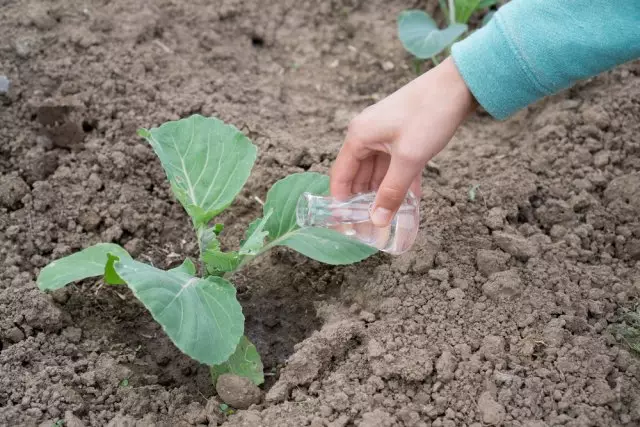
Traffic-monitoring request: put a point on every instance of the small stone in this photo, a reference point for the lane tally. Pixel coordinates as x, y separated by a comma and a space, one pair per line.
388, 66
237, 392
492, 412
5, 84
517, 246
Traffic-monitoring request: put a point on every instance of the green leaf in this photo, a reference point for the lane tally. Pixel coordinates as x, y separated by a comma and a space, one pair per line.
201, 316
110, 275
420, 35
207, 162
324, 245
283, 196
244, 362
215, 259
464, 10
255, 236
486, 3
187, 267
221, 262
86, 263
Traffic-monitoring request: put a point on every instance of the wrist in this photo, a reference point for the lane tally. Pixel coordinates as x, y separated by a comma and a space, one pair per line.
457, 87
445, 84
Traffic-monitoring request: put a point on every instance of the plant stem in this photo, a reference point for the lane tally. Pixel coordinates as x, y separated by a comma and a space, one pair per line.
452, 11
417, 66
434, 58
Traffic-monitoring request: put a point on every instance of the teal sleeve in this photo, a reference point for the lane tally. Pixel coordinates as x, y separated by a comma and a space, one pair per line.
534, 48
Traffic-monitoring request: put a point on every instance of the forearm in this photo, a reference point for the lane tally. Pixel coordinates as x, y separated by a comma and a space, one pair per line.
534, 48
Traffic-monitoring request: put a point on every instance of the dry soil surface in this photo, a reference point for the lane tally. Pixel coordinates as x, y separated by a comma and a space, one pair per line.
501, 315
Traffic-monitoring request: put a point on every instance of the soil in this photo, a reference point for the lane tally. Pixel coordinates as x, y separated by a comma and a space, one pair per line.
501, 315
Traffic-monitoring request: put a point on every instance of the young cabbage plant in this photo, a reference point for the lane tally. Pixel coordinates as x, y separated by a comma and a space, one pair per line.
421, 36
207, 162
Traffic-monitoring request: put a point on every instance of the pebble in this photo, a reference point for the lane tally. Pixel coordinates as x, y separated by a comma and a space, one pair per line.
237, 392
5, 84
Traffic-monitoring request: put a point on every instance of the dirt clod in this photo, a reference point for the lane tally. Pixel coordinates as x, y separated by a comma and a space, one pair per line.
518, 246
70, 420
503, 284
492, 412
490, 262
237, 392
12, 190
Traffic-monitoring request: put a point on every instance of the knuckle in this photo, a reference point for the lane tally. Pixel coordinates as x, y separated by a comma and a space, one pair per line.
392, 194
356, 127
406, 155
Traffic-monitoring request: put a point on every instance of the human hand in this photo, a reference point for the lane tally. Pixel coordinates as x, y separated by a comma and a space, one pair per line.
389, 143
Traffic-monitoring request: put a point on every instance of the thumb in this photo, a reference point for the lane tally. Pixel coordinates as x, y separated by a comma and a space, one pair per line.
393, 189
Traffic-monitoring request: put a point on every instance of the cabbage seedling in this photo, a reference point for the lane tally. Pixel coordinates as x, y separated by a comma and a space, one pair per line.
421, 36
207, 162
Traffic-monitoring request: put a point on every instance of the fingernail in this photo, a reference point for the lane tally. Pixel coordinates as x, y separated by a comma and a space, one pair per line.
380, 217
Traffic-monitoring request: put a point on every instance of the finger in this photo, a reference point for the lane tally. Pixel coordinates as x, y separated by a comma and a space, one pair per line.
363, 176
343, 172
416, 186
394, 188
379, 170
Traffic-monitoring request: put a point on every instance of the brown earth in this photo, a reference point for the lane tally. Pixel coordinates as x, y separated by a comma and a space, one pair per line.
501, 315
